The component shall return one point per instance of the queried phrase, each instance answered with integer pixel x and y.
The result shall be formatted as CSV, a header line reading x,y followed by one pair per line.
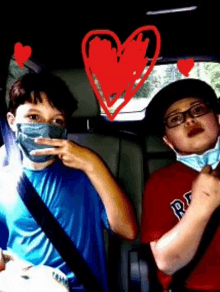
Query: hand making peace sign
x,y
72,154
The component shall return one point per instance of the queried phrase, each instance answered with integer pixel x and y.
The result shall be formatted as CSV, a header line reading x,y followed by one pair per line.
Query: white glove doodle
x,y
17,275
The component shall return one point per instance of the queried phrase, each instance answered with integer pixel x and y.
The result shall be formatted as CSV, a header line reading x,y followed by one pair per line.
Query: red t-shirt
x,y
167,196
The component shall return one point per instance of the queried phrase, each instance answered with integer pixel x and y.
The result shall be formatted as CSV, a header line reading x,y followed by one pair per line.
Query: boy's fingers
x,y
47,151
9,255
49,142
2,261
207,169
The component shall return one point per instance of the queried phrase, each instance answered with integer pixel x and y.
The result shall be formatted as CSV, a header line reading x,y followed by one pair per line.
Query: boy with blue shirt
x,y
71,180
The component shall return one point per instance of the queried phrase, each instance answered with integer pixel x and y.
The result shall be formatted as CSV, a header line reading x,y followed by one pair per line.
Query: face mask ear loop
x,y
168,143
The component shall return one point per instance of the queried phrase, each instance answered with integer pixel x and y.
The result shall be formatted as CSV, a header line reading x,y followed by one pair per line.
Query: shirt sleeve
x,y
100,205
2,213
3,226
105,219
157,218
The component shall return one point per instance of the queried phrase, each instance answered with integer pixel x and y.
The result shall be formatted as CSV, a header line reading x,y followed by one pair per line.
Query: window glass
x,y
14,72
161,76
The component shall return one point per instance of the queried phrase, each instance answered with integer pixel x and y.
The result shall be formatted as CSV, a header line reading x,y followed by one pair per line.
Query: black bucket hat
x,y
173,92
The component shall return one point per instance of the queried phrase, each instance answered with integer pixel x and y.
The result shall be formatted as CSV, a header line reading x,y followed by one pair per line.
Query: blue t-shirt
x,y
74,202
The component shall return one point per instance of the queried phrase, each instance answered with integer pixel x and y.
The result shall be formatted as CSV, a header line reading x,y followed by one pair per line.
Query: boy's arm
x,y
177,247
119,210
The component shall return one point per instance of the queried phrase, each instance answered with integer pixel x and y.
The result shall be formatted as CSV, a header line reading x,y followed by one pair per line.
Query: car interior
x,y
127,144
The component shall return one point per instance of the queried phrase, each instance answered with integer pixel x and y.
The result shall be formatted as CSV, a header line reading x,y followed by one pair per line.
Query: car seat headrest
x,y
78,83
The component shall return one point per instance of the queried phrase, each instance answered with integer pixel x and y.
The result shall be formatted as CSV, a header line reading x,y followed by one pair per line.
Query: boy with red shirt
x,y
181,198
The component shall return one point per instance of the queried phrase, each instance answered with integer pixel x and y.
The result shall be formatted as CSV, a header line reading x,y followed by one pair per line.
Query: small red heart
x,y
185,66
117,69
22,54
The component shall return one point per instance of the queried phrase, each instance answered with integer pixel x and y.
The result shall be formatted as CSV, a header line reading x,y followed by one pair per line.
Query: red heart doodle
x,y
185,66
116,70
22,54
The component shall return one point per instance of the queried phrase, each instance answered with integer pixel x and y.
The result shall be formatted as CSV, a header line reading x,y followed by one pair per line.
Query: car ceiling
x,y
55,35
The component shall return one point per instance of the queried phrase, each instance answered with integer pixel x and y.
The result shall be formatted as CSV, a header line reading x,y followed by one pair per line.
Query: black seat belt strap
x,y
53,230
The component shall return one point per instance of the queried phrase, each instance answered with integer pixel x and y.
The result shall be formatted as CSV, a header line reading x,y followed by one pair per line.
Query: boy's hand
x,y
72,154
206,190
2,261
5,256
19,275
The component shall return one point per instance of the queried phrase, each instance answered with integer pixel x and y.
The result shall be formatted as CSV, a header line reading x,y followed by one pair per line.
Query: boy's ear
x,y
11,121
167,142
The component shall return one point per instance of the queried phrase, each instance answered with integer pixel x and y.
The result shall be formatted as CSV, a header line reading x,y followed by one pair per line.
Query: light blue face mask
x,y
27,132
210,157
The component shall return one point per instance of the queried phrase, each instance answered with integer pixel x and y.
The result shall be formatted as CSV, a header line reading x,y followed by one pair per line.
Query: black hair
x,y
173,92
58,93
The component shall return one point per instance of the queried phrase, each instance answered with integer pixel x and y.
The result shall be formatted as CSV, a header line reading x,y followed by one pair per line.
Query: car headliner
x,y
55,35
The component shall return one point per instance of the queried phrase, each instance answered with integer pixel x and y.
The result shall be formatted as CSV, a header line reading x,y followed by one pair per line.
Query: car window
x,y
161,76
14,72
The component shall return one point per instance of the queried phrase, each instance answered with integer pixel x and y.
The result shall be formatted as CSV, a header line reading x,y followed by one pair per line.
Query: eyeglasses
x,y
195,111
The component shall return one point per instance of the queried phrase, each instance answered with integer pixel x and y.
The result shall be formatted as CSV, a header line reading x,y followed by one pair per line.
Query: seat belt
x,y
13,155
143,270
56,234
180,277
53,230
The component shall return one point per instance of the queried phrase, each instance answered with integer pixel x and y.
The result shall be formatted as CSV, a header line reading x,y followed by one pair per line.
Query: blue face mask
x,y
27,132
210,157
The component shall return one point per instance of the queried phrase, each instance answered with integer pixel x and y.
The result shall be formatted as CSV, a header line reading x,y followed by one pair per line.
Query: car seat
x,y
122,154
143,269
